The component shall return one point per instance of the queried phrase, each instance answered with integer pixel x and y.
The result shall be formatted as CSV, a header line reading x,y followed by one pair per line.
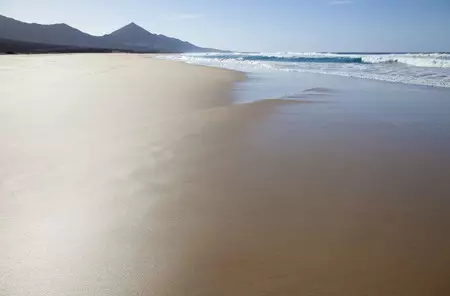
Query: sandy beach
x,y
127,175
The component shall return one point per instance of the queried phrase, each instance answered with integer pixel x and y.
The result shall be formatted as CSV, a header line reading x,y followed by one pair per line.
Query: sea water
x,y
430,69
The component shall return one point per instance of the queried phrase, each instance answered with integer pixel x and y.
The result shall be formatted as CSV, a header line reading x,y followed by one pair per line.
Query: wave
x,y
287,59
417,60
425,61
432,69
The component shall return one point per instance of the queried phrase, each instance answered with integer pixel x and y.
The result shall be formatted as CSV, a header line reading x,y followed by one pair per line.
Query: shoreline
x,y
129,175
417,69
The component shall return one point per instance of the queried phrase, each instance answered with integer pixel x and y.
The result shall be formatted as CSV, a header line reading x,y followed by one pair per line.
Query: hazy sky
x,y
260,25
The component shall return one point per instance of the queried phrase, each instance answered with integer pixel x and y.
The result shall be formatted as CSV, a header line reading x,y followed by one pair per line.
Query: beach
x,y
123,174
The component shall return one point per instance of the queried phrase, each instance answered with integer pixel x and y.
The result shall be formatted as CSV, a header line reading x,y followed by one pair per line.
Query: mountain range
x,y
62,37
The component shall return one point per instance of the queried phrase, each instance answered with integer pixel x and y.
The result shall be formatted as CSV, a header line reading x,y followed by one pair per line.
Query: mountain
x,y
58,34
129,38
134,36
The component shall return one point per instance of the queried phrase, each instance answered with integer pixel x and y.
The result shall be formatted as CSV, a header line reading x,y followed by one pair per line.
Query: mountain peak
x,y
130,32
132,25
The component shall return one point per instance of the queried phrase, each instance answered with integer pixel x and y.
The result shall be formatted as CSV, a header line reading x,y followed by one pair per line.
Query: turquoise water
x,y
430,69
290,59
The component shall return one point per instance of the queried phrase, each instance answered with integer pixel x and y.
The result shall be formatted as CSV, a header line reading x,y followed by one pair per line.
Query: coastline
x,y
129,175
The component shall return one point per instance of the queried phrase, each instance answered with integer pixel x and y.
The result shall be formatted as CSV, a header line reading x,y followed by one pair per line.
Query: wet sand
x,y
126,175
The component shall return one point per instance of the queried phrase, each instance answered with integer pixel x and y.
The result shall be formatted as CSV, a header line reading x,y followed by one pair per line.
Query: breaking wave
x,y
431,69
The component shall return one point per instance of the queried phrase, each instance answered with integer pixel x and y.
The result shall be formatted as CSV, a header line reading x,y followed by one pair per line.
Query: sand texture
x,y
126,175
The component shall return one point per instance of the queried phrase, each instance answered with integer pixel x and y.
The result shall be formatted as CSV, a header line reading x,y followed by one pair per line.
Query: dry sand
x,y
126,175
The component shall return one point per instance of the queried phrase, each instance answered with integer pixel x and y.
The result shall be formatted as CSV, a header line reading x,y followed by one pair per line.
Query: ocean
x,y
430,69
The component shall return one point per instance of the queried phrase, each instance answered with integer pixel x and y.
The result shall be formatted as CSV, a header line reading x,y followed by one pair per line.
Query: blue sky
x,y
260,25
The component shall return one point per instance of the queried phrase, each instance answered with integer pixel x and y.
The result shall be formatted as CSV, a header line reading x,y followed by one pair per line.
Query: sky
x,y
259,25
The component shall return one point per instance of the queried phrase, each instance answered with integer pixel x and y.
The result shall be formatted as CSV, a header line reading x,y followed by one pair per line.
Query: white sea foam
x,y
432,69
418,60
